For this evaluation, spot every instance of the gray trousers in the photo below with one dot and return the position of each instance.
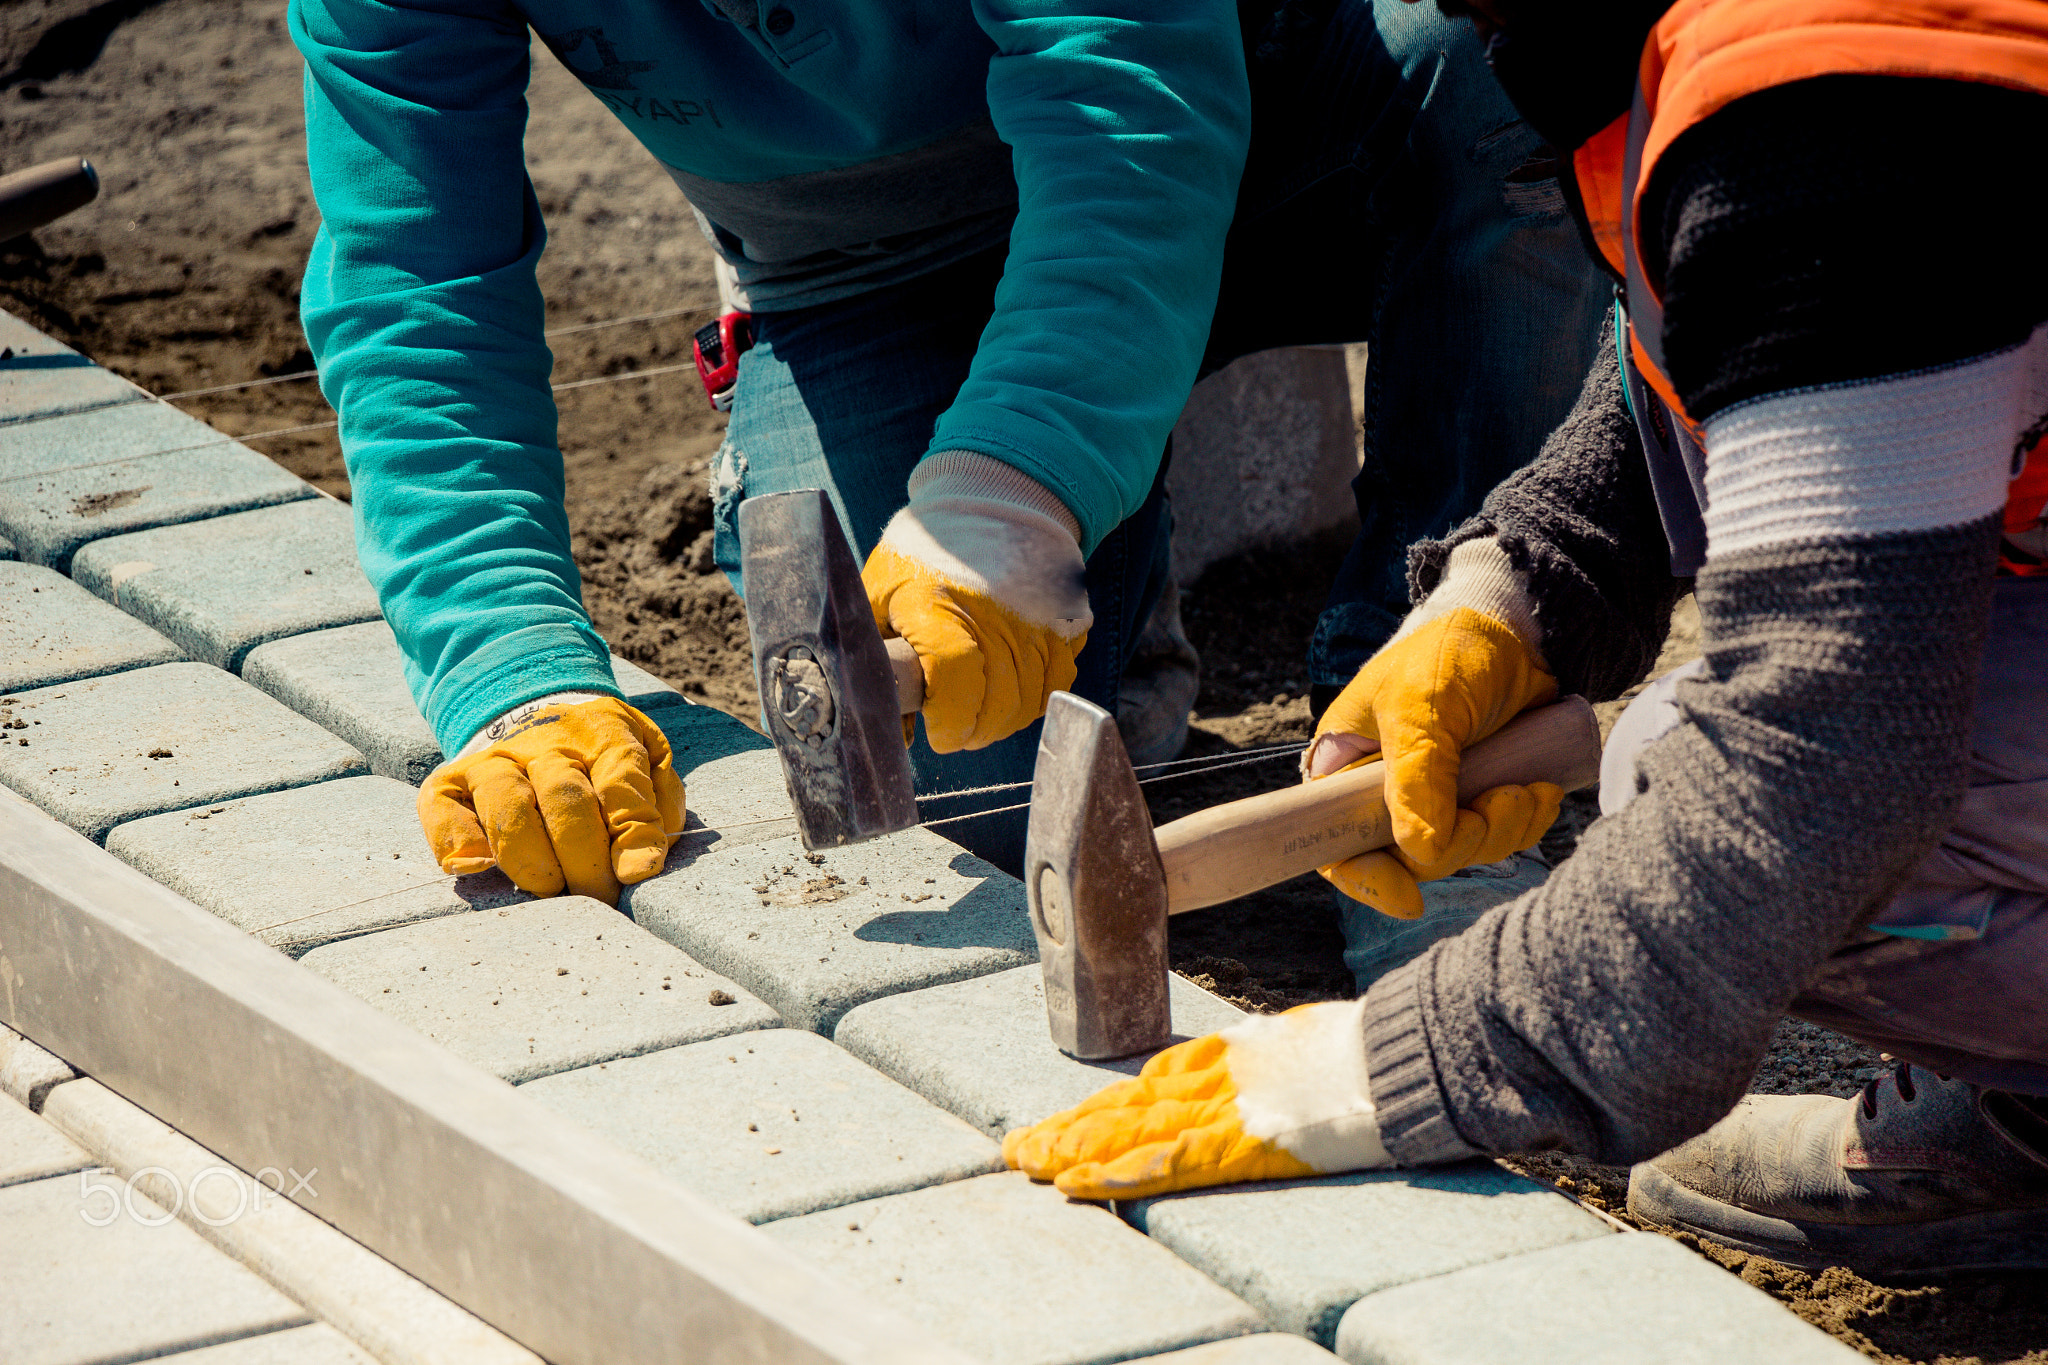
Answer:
(1953, 973)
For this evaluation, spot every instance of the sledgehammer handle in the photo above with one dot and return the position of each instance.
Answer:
(909, 674)
(1235, 849)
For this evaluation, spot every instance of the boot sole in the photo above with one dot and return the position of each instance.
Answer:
(2011, 1239)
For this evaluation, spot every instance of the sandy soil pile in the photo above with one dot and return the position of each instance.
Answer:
(185, 275)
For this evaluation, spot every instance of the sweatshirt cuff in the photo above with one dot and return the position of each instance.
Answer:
(512, 670)
(971, 474)
(1414, 1123)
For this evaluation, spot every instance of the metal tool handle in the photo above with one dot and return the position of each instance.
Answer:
(909, 674)
(42, 194)
(1235, 849)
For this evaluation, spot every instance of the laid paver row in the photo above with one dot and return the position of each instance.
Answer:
(875, 1156)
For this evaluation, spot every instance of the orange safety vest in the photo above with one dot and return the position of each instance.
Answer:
(1705, 54)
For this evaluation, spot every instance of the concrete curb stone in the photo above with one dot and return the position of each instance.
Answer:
(222, 586)
(1636, 1299)
(351, 680)
(1303, 1251)
(981, 1049)
(317, 1344)
(770, 1125)
(133, 1288)
(55, 631)
(89, 762)
(398, 1319)
(65, 481)
(1014, 1274)
(816, 938)
(42, 377)
(547, 986)
(31, 1149)
(310, 865)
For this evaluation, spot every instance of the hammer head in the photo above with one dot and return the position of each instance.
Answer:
(1096, 888)
(826, 688)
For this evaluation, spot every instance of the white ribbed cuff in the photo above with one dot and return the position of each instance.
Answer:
(971, 474)
(500, 725)
(1478, 576)
(1915, 452)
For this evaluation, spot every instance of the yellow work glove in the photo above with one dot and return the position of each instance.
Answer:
(1273, 1098)
(579, 796)
(1442, 685)
(982, 573)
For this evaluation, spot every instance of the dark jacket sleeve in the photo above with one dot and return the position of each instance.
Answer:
(1581, 525)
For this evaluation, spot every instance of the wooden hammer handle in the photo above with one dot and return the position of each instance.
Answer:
(1235, 849)
(909, 674)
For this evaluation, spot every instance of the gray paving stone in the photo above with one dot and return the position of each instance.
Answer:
(981, 1049)
(222, 586)
(27, 1073)
(539, 988)
(1301, 1252)
(31, 1149)
(318, 1344)
(54, 631)
(1268, 1348)
(42, 377)
(307, 866)
(1014, 1274)
(1639, 1299)
(7, 550)
(68, 480)
(72, 1292)
(85, 757)
(825, 1130)
(816, 939)
(352, 681)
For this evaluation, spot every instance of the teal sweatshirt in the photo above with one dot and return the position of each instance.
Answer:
(1123, 123)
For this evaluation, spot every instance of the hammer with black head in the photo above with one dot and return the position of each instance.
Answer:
(1101, 881)
(832, 692)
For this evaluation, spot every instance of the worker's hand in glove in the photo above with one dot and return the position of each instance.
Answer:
(576, 795)
(1448, 680)
(982, 573)
(1272, 1098)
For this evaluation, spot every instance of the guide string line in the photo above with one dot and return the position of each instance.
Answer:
(551, 332)
(1184, 767)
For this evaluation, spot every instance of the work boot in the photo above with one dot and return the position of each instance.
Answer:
(1916, 1174)
(1159, 686)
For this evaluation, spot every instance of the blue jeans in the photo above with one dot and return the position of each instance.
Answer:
(1380, 204)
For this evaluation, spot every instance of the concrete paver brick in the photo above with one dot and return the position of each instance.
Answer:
(1268, 1348)
(318, 1344)
(1014, 1274)
(397, 1319)
(71, 1291)
(352, 681)
(981, 1048)
(1638, 1299)
(771, 1124)
(68, 480)
(42, 377)
(307, 866)
(815, 939)
(222, 586)
(106, 750)
(55, 631)
(27, 1073)
(31, 1149)
(7, 550)
(539, 988)
(1302, 1252)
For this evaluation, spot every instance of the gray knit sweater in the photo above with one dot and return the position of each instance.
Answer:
(1623, 1006)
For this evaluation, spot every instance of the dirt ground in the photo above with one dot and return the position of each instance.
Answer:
(184, 276)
